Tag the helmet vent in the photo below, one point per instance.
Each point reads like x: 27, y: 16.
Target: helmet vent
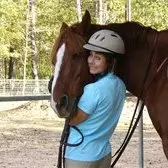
x: 102, y: 38
x: 113, y: 35
x: 97, y: 36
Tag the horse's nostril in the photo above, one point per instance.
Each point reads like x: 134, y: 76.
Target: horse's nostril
x: 62, y: 107
x: 63, y: 102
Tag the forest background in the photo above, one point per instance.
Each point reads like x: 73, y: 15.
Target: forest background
x: 28, y: 28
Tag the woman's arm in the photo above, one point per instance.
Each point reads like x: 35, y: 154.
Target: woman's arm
x: 79, y: 117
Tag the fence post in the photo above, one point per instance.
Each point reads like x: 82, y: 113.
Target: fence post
x: 141, y: 152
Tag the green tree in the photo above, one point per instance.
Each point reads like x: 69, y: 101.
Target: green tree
x: 49, y: 16
x: 151, y: 13
x: 11, y: 29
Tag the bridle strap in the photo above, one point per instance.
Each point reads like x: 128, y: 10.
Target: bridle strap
x: 141, y: 95
x: 64, y: 137
x: 161, y: 65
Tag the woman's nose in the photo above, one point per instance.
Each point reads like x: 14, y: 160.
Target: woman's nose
x: 91, y: 60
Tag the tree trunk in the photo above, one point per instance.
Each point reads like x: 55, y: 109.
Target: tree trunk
x: 78, y: 4
x: 5, y: 68
x: 106, y: 17
x: 128, y: 10
x: 2, y: 65
x: 26, y: 48
x: 11, y: 74
x: 100, y: 11
x: 33, y: 45
x: 33, y: 39
x: 11, y: 65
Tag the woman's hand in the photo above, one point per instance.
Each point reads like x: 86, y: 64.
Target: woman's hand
x: 79, y: 117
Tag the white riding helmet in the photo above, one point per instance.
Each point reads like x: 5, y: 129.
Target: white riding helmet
x: 106, y: 41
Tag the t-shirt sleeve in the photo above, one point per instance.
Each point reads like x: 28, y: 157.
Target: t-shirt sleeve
x: 89, y: 99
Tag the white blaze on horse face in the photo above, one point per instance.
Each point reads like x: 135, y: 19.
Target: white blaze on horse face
x: 59, y: 56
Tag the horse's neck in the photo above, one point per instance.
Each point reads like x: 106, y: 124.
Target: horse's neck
x: 138, y: 62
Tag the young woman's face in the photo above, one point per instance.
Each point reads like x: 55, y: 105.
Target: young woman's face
x: 97, y: 63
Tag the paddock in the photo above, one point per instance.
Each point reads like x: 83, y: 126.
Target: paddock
x: 30, y: 134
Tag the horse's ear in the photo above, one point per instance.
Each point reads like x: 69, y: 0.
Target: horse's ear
x: 86, y: 17
x: 85, y: 23
x: 63, y: 27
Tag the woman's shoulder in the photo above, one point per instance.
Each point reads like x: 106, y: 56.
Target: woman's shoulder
x: 91, y: 86
x: 93, y: 89
x: 117, y: 80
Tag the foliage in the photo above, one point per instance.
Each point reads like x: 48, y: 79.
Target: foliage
x: 151, y: 13
x: 116, y: 11
x: 49, y: 16
x: 11, y: 29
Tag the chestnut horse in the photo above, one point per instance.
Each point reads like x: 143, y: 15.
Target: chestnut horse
x: 146, y: 54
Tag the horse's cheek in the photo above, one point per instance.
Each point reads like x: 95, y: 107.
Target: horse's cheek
x: 77, y: 86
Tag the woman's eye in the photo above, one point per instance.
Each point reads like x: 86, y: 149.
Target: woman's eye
x: 97, y: 58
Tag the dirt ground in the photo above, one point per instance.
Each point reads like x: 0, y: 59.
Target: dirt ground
x: 30, y: 134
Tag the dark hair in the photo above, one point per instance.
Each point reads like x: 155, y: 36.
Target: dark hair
x: 111, y: 59
x: 111, y: 56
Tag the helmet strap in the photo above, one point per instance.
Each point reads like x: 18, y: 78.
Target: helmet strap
x: 114, y: 65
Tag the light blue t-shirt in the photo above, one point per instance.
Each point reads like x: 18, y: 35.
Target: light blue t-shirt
x: 103, y: 101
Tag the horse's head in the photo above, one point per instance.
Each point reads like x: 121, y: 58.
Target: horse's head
x: 71, y: 69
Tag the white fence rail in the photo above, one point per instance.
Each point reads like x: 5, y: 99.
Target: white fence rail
x: 20, y: 90
x: 17, y: 87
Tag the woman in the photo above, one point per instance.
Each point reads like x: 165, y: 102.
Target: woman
x: 100, y: 106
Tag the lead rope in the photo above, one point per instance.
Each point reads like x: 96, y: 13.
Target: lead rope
x: 63, y: 143
x: 130, y: 132
x: 64, y: 136
x: 129, y: 129
x: 127, y: 139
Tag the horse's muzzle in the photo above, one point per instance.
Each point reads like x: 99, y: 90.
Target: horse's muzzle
x: 66, y: 107
x: 62, y: 107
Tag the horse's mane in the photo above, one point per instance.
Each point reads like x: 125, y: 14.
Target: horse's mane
x: 133, y: 33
